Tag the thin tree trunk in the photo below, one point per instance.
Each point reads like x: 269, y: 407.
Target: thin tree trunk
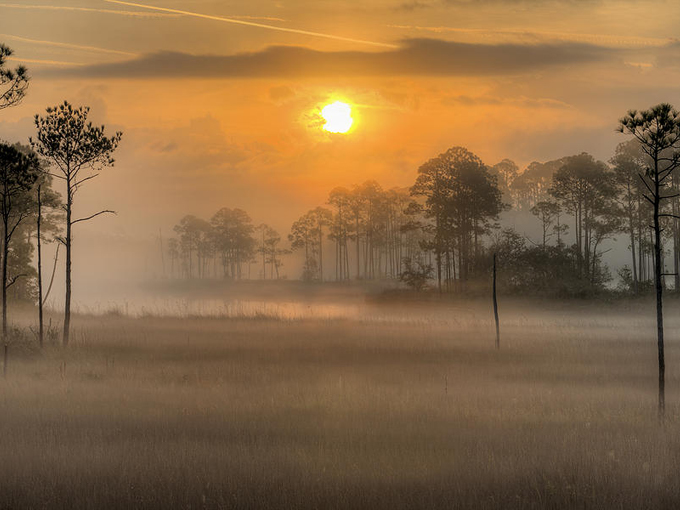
x: 356, y: 226
x: 5, y: 253
x: 495, y: 306
x: 658, y: 270
x: 320, y: 255
x: 40, y: 285
x: 67, y: 304
x: 632, y: 250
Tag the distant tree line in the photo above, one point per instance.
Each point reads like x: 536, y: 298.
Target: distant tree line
x: 225, y: 246
x: 443, y: 230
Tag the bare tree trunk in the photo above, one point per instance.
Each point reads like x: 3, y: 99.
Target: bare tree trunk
x: 264, y: 254
x: 320, y: 254
x: 160, y: 239
x: 495, y: 306
x: 5, y: 253
x: 41, y: 328
x: 632, y: 250
x: 356, y: 226
x: 67, y: 304
x: 658, y: 270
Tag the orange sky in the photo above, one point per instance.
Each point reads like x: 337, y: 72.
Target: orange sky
x: 223, y: 114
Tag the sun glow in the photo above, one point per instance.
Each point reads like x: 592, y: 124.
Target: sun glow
x: 338, y: 117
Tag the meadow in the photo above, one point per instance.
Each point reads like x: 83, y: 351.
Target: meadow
x: 268, y: 411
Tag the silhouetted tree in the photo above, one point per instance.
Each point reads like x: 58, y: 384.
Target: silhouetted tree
x: 233, y: 230
x: 462, y: 198
x: 48, y: 199
x: 585, y: 189
x: 627, y: 166
x: 192, y: 232
x: 416, y: 273
x: 73, y: 145
x: 658, y: 131
x: 173, y: 253
x: 271, y: 253
x: 321, y: 218
x: 547, y: 212
x: 506, y: 171
x: 340, y: 230
x: 13, y: 82
x: 18, y: 174
x: 303, y: 235
x: 532, y: 185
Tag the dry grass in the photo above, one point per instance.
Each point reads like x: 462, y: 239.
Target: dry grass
x: 216, y: 413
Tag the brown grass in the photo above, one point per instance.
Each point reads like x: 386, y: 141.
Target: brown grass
x: 215, y: 413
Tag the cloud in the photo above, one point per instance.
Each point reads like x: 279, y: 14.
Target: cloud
x: 413, y: 5
x: 67, y: 46
x: 235, y: 20
x: 416, y: 57
x: 522, y: 101
x: 134, y: 14
x: 534, y: 36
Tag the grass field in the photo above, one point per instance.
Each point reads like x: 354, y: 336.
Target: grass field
x: 266, y: 412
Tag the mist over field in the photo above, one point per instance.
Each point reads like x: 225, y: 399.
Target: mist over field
x: 339, y: 255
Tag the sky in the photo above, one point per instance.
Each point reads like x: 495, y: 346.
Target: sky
x: 219, y: 101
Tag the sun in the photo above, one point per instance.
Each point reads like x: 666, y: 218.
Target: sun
x: 338, y: 117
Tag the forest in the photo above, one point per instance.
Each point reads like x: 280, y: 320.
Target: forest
x: 442, y: 231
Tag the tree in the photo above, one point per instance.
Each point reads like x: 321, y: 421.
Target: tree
x: 583, y: 186
x: 627, y: 166
x: 548, y: 212
x: 341, y: 230
x: 506, y: 172
x: 303, y: 235
x: 658, y: 132
x: 462, y: 199
x: 45, y: 198
x: 233, y: 229
x: 18, y: 174
x: 192, y: 233
x: 416, y: 273
x: 321, y: 218
x: 73, y: 145
x: 13, y: 83
x: 531, y: 186
x: 271, y: 253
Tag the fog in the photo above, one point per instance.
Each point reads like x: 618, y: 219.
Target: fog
x: 459, y: 290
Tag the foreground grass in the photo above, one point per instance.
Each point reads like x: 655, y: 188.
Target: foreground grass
x: 210, y: 413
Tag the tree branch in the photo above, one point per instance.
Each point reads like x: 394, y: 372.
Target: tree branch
x: 93, y: 216
x: 78, y: 183
x: 12, y: 281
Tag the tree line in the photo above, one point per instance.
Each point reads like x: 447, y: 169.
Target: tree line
x: 444, y: 229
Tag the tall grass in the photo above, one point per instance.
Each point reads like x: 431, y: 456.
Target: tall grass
x: 162, y: 412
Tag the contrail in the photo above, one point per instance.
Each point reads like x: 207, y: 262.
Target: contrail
x: 69, y: 46
x: 88, y: 9
x: 251, y: 24
x: 45, y: 62
x: 121, y: 13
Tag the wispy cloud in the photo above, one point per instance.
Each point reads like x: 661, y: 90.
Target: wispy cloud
x: 68, y: 46
x: 236, y: 21
x: 58, y: 63
x: 136, y: 14
x: 530, y: 35
x: 416, y: 57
